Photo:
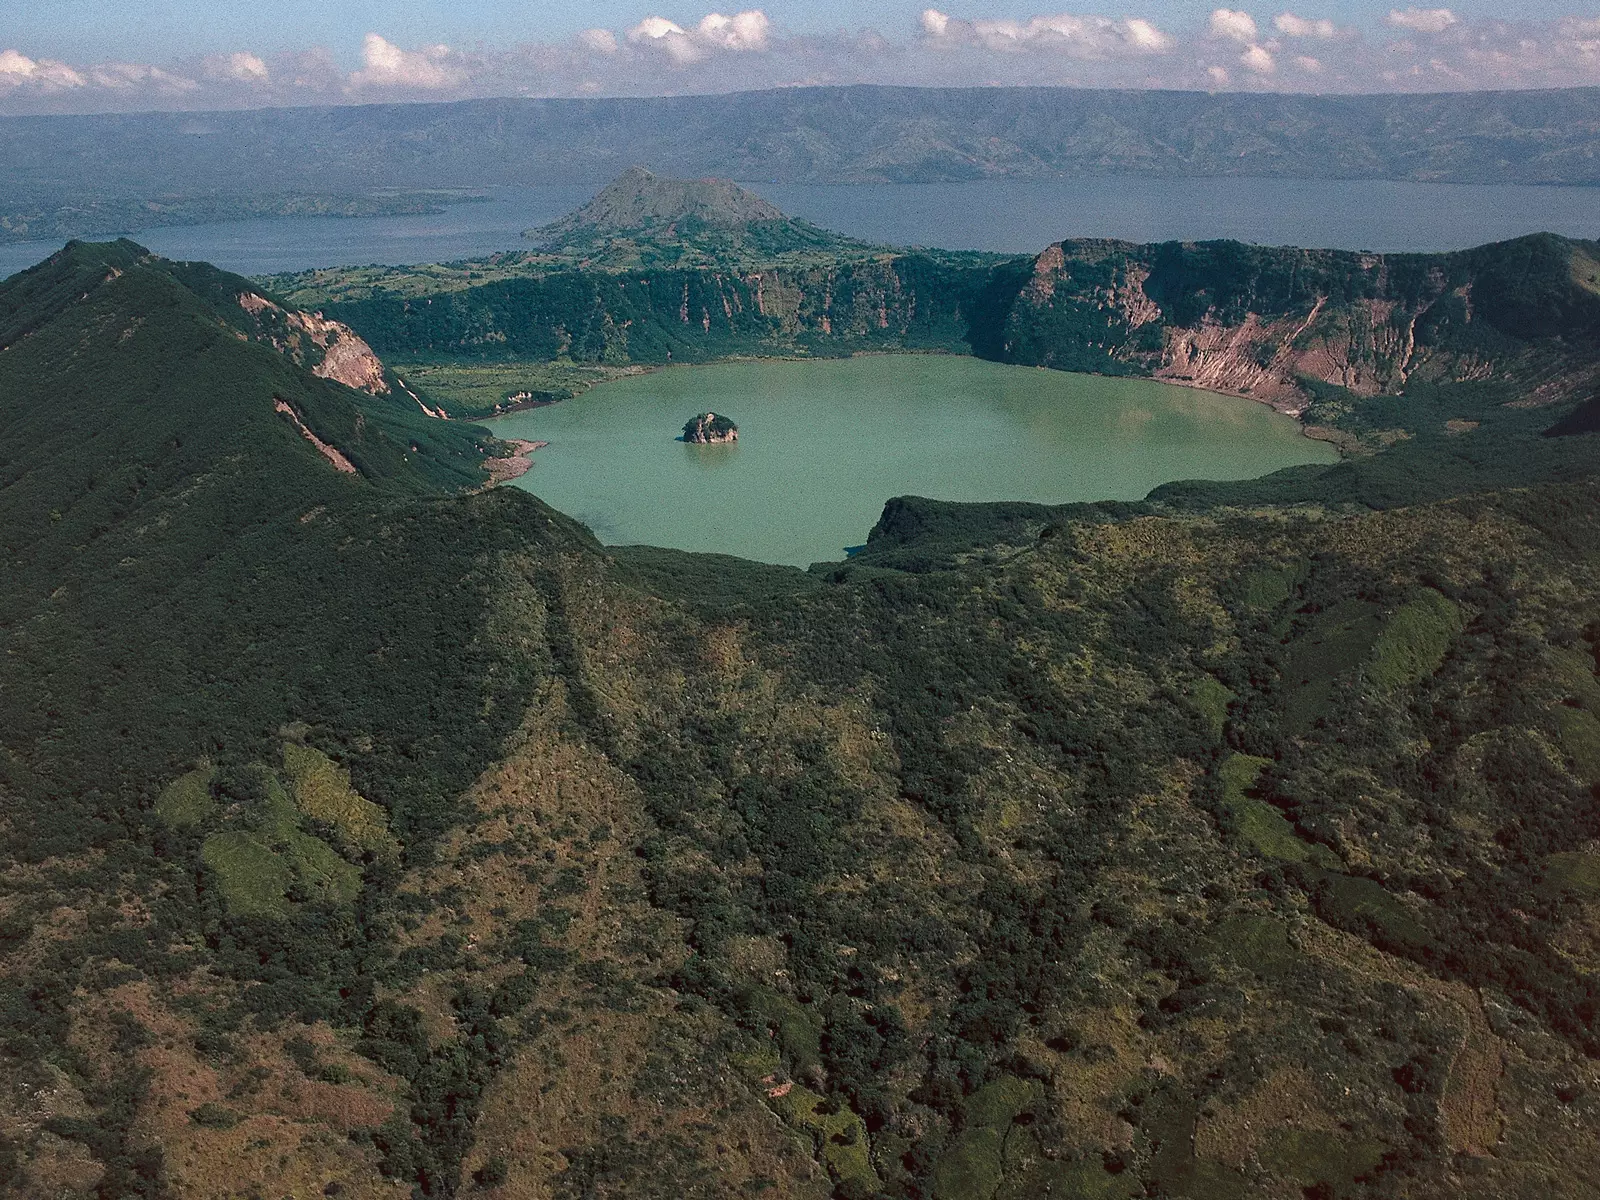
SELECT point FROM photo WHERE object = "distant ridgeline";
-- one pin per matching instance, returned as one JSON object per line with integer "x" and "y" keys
{"x": 817, "y": 135}
{"x": 50, "y": 213}
{"x": 358, "y": 825}
{"x": 73, "y": 176}
{"x": 1333, "y": 336}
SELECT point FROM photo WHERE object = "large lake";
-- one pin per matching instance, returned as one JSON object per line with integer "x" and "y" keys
{"x": 822, "y": 445}
{"x": 1011, "y": 216}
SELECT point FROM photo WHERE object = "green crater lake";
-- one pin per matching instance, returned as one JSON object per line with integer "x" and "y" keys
{"x": 822, "y": 445}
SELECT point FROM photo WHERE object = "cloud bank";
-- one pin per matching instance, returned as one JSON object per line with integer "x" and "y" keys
{"x": 1411, "y": 49}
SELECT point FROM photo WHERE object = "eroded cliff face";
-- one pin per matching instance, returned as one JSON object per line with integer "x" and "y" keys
{"x": 1270, "y": 323}
{"x": 329, "y": 349}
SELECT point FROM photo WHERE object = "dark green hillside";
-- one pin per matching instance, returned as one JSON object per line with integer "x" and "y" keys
{"x": 176, "y": 547}
{"x": 652, "y": 317}
{"x": 365, "y": 834}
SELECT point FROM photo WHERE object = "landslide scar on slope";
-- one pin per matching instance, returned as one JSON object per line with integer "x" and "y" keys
{"x": 346, "y": 357}
{"x": 331, "y": 453}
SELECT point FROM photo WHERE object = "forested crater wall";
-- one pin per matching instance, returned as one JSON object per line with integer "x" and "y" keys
{"x": 1268, "y": 323}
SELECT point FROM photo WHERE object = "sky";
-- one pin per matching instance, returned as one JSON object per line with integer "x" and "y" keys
{"x": 106, "y": 55}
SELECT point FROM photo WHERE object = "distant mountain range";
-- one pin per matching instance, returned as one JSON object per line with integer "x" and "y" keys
{"x": 814, "y": 135}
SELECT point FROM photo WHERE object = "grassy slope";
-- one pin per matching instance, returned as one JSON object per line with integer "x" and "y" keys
{"x": 950, "y": 847}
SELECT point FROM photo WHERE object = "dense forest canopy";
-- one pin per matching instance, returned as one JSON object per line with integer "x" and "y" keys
{"x": 367, "y": 833}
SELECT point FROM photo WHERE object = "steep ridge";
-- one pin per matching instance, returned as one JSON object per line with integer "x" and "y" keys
{"x": 1261, "y": 322}
{"x": 356, "y": 830}
{"x": 165, "y": 476}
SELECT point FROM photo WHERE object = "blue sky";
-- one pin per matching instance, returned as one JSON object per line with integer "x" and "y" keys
{"x": 157, "y": 30}
{"x": 132, "y": 55}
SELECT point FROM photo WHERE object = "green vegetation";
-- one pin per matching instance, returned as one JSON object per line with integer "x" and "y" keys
{"x": 1331, "y": 644}
{"x": 1576, "y": 672}
{"x": 1211, "y": 698}
{"x": 1260, "y": 825}
{"x": 187, "y": 799}
{"x": 1576, "y": 873}
{"x": 254, "y": 880}
{"x": 1269, "y": 587}
{"x": 1414, "y": 640}
{"x": 474, "y": 390}
{"x": 322, "y": 791}
{"x": 1313, "y": 1157}
{"x": 841, "y": 1135}
{"x": 1580, "y": 738}
{"x": 1108, "y": 850}
{"x": 264, "y": 861}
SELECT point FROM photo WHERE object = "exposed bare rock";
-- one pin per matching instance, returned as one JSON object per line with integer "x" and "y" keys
{"x": 710, "y": 428}
{"x": 330, "y": 349}
{"x": 1264, "y": 323}
{"x": 340, "y": 463}
{"x": 514, "y": 465}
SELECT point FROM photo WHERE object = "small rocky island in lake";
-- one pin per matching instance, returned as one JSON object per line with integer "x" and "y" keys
{"x": 710, "y": 427}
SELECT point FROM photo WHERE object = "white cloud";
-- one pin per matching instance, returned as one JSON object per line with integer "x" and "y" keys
{"x": 1238, "y": 26}
{"x": 745, "y": 50}
{"x": 14, "y": 65}
{"x": 1146, "y": 36}
{"x": 748, "y": 30}
{"x": 1091, "y": 37}
{"x": 243, "y": 67}
{"x": 1259, "y": 60}
{"x": 742, "y": 31}
{"x": 1423, "y": 20}
{"x": 120, "y": 76}
{"x": 385, "y": 65}
{"x": 654, "y": 29}
{"x": 17, "y": 70}
{"x": 601, "y": 41}
{"x": 1290, "y": 25}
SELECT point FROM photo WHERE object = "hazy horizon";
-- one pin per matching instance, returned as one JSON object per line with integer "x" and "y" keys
{"x": 97, "y": 57}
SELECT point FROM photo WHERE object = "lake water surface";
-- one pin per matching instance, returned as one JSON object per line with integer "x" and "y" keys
{"x": 1017, "y": 216}
{"x": 822, "y": 445}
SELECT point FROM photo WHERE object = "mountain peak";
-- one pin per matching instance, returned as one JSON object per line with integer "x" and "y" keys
{"x": 639, "y": 200}
{"x": 641, "y": 218}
